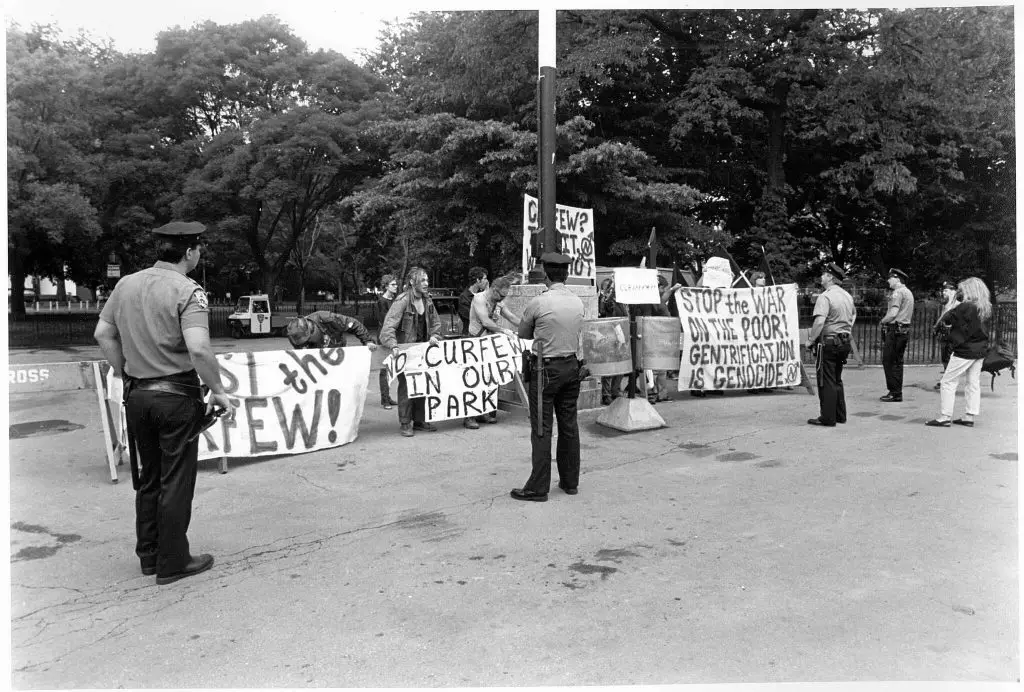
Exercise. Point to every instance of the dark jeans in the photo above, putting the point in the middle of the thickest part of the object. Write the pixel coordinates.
(168, 463)
(409, 410)
(831, 394)
(385, 387)
(560, 394)
(893, 347)
(611, 386)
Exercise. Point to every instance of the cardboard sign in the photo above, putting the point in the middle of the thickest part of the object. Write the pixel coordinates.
(288, 402)
(717, 273)
(739, 338)
(575, 229)
(458, 377)
(634, 286)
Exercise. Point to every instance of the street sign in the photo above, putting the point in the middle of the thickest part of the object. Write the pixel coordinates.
(113, 271)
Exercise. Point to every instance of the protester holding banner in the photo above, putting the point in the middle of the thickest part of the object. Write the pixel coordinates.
(895, 326)
(389, 283)
(829, 336)
(554, 320)
(660, 390)
(486, 308)
(478, 279)
(325, 329)
(607, 306)
(411, 319)
(154, 331)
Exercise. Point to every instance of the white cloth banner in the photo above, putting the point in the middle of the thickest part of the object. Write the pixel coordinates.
(575, 228)
(635, 286)
(458, 377)
(288, 402)
(739, 338)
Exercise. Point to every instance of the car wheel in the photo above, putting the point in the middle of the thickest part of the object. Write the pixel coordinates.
(236, 331)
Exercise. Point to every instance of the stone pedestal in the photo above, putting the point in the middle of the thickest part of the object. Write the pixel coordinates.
(516, 300)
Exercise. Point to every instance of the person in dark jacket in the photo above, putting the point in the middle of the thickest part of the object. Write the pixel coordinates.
(389, 283)
(607, 306)
(323, 329)
(411, 319)
(478, 279)
(968, 336)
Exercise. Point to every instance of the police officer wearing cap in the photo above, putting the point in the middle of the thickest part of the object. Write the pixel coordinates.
(829, 336)
(895, 326)
(154, 331)
(554, 320)
(325, 329)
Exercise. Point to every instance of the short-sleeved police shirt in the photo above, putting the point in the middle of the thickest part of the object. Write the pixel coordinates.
(554, 319)
(836, 306)
(903, 300)
(151, 309)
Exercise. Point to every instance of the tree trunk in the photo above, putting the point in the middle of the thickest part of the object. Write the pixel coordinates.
(17, 271)
(62, 290)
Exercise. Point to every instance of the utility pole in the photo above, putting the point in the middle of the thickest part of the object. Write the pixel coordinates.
(544, 240)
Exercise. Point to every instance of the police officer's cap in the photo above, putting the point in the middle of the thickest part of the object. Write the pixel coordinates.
(835, 271)
(949, 284)
(901, 275)
(556, 258)
(180, 228)
(299, 331)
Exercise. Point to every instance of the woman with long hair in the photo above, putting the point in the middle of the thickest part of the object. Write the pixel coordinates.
(389, 283)
(968, 336)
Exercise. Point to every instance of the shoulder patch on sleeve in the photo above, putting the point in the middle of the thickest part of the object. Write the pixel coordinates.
(201, 299)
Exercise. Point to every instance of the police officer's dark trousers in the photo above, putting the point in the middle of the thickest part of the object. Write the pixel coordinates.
(161, 423)
(559, 397)
(831, 395)
(894, 346)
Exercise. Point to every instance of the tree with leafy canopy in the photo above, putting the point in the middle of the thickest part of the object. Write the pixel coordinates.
(50, 127)
(274, 128)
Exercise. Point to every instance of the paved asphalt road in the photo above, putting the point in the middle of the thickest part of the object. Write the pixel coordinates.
(738, 544)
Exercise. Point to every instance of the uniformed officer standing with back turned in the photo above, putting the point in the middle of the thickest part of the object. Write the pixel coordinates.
(154, 331)
(895, 325)
(554, 320)
(829, 336)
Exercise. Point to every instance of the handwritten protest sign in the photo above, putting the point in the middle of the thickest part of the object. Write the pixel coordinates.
(288, 402)
(458, 377)
(575, 229)
(635, 286)
(742, 338)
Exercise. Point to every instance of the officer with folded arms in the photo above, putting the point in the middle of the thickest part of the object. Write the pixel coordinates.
(554, 320)
(895, 326)
(154, 331)
(829, 336)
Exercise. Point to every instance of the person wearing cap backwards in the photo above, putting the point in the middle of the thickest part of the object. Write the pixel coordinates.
(154, 331)
(829, 336)
(411, 319)
(325, 329)
(554, 320)
(895, 326)
(950, 299)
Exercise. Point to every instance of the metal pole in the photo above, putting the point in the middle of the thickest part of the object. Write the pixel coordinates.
(545, 240)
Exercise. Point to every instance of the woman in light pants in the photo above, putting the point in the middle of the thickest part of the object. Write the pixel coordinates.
(968, 336)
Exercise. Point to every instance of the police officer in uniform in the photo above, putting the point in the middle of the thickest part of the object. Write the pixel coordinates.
(154, 331)
(895, 326)
(829, 336)
(554, 320)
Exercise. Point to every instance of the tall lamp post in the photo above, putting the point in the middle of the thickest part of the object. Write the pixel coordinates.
(544, 240)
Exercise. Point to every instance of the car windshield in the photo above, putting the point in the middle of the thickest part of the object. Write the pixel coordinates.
(243, 305)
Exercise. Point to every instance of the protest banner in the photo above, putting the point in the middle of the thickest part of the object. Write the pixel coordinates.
(575, 229)
(288, 402)
(458, 377)
(739, 338)
(634, 286)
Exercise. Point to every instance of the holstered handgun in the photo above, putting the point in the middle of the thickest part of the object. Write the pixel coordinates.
(528, 361)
